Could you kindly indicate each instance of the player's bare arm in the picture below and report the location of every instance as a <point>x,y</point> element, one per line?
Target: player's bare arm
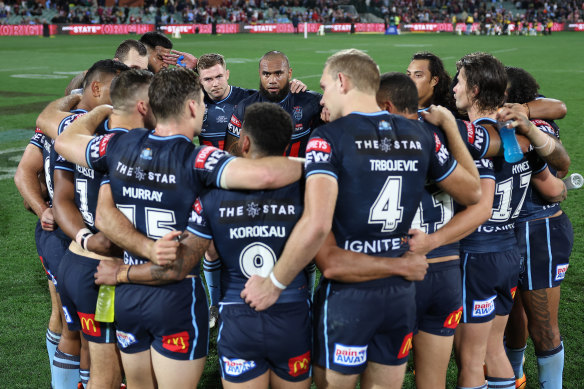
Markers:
<point>72,143</point>
<point>340,265</point>
<point>549,186</point>
<point>463,223</point>
<point>545,108</point>
<point>188,60</point>
<point>466,173</point>
<point>69,218</point>
<point>50,118</point>
<point>304,242</point>
<point>261,173</point>
<point>189,253</point>
<point>548,147</point>
<point>27,181</point>
<point>232,145</point>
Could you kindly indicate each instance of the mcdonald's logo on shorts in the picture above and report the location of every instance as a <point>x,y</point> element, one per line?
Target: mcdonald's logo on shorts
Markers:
<point>88,324</point>
<point>406,346</point>
<point>299,365</point>
<point>453,319</point>
<point>177,343</point>
<point>513,290</point>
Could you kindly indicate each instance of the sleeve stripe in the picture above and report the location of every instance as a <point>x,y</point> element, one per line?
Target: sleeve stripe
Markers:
<point>329,173</point>
<point>449,172</point>
<point>199,233</point>
<point>221,171</point>
<point>64,168</point>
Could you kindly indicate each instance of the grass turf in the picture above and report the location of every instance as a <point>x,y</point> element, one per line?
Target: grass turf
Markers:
<point>34,71</point>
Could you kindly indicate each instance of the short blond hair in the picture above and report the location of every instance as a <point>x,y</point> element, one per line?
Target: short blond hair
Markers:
<point>359,67</point>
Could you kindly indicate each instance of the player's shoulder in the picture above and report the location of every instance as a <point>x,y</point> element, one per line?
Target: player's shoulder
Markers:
<point>237,93</point>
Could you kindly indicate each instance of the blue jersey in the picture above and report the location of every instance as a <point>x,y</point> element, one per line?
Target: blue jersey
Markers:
<point>437,207</point>
<point>512,181</point>
<point>303,107</point>
<point>535,206</point>
<point>381,163</point>
<point>218,114</point>
<point>250,229</point>
<point>155,180</point>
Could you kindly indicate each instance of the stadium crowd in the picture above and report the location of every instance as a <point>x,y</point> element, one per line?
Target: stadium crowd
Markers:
<point>380,181</point>
<point>284,11</point>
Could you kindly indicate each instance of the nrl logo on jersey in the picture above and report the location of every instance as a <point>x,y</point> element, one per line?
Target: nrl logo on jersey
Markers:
<point>384,126</point>
<point>297,112</point>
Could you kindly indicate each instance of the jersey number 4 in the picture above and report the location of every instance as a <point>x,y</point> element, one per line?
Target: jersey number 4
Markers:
<point>386,210</point>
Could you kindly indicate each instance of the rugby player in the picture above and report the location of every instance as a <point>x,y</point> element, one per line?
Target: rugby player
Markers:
<point>220,101</point>
<point>133,54</point>
<point>490,271</point>
<point>275,75</point>
<point>545,238</point>
<point>357,149</point>
<point>172,336</point>
<point>161,54</point>
<point>75,200</point>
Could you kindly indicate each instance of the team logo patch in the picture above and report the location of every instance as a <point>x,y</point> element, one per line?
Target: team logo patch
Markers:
<point>482,308</point>
<point>99,145</point>
<point>88,324</point>
<point>384,126</point>
<point>208,157</point>
<point>544,126</point>
<point>299,365</point>
<point>513,291</point>
<point>177,343</point>
<point>236,367</point>
<point>65,122</point>
<point>485,163</point>
<point>146,153</point>
<point>561,272</point>
<point>440,150</point>
<point>297,112</point>
<point>197,206</point>
<point>125,339</point>
<point>235,121</point>
<point>453,319</point>
<point>350,355</point>
<point>406,346</point>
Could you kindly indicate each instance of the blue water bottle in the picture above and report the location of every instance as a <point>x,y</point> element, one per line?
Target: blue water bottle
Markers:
<point>512,150</point>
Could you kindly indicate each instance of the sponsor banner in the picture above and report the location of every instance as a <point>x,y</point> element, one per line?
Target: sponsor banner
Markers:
<point>573,27</point>
<point>312,28</point>
<point>103,29</point>
<point>21,29</point>
<point>200,28</point>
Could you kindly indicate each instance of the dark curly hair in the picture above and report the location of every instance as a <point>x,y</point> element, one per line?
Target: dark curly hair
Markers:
<point>521,86</point>
<point>442,91</point>
<point>487,73</point>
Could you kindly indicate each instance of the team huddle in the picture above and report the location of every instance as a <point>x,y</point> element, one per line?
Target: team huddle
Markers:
<point>394,185</point>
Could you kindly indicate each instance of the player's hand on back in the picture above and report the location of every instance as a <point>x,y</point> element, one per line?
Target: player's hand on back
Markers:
<point>520,120</point>
<point>438,116</point>
<point>415,266</point>
<point>107,272</point>
<point>164,251</point>
<point>297,86</point>
<point>260,293</point>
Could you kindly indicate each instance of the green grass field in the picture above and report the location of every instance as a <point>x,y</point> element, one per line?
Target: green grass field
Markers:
<point>34,71</point>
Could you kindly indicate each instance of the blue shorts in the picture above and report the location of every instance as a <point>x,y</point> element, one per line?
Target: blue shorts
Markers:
<point>439,299</point>
<point>360,322</point>
<point>79,296</point>
<point>172,318</point>
<point>51,248</point>
<point>489,282</point>
<point>279,338</point>
<point>545,246</point>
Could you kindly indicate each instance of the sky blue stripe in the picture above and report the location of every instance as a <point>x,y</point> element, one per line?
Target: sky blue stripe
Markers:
<point>549,244</point>
<point>322,172</point>
<point>194,319</point>
<point>528,244</point>
<point>464,309</point>
<point>448,172</point>
<point>221,171</point>
<point>326,345</point>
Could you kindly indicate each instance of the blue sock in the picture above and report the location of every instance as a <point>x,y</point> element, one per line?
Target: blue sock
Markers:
<point>550,365</point>
<point>212,271</point>
<point>65,370</point>
<point>501,383</point>
<point>516,358</point>
<point>52,340</point>
<point>311,273</point>
<point>84,377</point>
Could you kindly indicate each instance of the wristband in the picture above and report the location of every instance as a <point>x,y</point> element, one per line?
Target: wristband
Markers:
<point>82,236</point>
<point>276,283</point>
<point>122,274</point>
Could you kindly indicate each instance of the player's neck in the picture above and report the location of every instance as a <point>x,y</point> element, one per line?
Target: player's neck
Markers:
<point>357,101</point>
<point>475,113</point>
<point>173,127</point>
<point>120,119</point>
<point>227,92</point>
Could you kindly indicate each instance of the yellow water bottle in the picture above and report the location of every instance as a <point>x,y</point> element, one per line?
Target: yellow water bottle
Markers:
<point>104,309</point>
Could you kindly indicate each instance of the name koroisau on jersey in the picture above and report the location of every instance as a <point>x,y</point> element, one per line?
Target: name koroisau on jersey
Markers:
<point>257,232</point>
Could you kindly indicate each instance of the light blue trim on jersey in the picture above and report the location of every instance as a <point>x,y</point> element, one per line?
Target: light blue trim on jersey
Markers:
<point>493,121</point>
<point>369,113</point>
<point>322,172</point>
<point>193,285</point>
<point>87,153</point>
<point>103,182</point>
<point>301,134</point>
<point>540,170</point>
<point>163,138</point>
<point>487,176</point>
<point>423,109</point>
<point>528,244</point>
<point>464,310</point>
<point>218,183</point>
<point>228,96</point>
<point>326,345</point>
<point>198,233</point>
<point>549,244</point>
<point>37,144</point>
<point>449,172</point>
<point>64,168</point>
